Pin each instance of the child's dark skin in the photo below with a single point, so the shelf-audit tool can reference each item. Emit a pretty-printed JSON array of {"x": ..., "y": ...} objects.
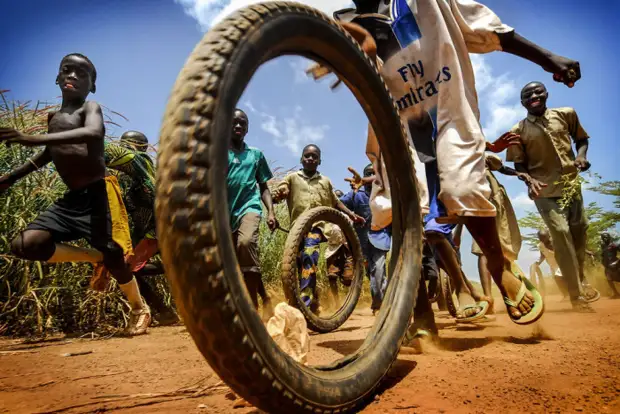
[
  {"x": 75, "y": 137},
  {"x": 534, "y": 97},
  {"x": 310, "y": 161},
  {"x": 75, "y": 143}
]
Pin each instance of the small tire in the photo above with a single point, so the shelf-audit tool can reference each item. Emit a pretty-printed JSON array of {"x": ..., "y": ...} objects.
[
  {"x": 193, "y": 223},
  {"x": 448, "y": 293},
  {"x": 290, "y": 279}
]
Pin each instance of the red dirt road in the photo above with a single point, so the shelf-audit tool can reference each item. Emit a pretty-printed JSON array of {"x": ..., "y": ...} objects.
[{"x": 566, "y": 363}]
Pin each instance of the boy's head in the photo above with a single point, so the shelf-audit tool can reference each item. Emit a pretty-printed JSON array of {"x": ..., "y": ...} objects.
[
  {"x": 534, "y": 98},
  {"x": 240, "y": 125},
  {"x": 311, "y": 157},
  {"x": 369, "y": 170},
  {"x": 605, "y": 238},
  {"x": 135, "y": 140},
  {"x": 544, "y": 236},
  {"x": 339, "y": 193},
  {"x": 77, "y": 76}
]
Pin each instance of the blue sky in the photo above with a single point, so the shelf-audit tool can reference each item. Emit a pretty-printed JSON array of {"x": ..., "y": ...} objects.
[{"x": 139, "y": 47}]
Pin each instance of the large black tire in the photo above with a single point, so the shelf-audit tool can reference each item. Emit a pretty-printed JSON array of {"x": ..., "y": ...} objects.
[
  {"x": 290, "y": 279},
  {"x": 193, "y": 221}
]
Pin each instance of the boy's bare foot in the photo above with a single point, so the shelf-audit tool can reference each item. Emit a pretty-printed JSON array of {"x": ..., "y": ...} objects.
[
  {"x": 510, "y": 288},
  {"x": 468, "y": 306}
]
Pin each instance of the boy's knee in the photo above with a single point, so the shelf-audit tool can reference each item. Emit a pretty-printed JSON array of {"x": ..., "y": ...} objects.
[
  {"x": 433, "y": 237},
  {"x": 32, "y": 246},
  {"x": 113, "y": 256}
]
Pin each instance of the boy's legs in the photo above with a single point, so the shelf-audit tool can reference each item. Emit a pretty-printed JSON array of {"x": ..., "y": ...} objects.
[
  {"x": 246, "y": 239},
  {"x": 378, "y": 276},
  {"x": 450, "y": 261},
  {"x": 564, "y": 246}
]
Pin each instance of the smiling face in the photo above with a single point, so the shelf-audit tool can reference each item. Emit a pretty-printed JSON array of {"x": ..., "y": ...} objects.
[
  {"x": 239, "y": 126},
  {"x": 534, "y": 98},
  {"x": 76, "y": 77},
  {"x": 311, "y": 158}
]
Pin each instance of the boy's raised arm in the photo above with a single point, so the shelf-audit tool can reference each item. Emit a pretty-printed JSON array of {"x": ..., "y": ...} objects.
[
  {"x": 33, "y": 164},
  {"x": 93, "y": 129},
  {"x": 564, "y": 70}
]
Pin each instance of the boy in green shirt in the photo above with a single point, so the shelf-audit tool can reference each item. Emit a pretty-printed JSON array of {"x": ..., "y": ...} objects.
[{"x": 248, "y": 173}]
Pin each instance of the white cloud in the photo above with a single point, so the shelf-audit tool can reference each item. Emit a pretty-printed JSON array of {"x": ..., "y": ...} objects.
[
  {"x": 291, "y": 131},
  {"x": 522, "y": 200},
  {"x": 300, "y": 65},
  {"x": 209, "y": 12},
  {"x": 499, "y": 96}
]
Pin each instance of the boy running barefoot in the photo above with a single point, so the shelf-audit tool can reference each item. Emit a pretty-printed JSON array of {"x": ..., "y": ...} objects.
[
  {"x": 248, "y": 173},
  {"x": 425, "y": 46},
  {"x": 92, "y": 208},
  {"x": 546, "y": 154},
  {"x": 302, "y": 191}
]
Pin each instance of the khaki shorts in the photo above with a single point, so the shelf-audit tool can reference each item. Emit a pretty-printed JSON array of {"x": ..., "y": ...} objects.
[{"x": 246, "y": 242}]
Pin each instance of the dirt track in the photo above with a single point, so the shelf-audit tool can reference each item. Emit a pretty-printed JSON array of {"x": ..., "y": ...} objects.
[{"x": 501, "y": 368}]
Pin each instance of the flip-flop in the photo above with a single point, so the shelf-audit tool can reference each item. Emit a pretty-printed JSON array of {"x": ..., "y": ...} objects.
[
  {"x": 537, "y": 310},
  {"x": 596, "y": 294},
  {"x": 474, "y": 318}
]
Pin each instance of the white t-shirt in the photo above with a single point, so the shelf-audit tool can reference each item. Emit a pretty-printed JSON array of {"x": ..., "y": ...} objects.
[{"x": 432, "y": 80}]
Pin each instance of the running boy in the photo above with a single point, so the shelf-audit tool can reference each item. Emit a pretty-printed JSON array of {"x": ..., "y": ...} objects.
[
  {"x": 375, "y": 243},
  {"x": 248, "y": 173},
  {"x": 303, "y": 190},
  {"x": 547, "y": 155},
  {"x": 92, "y": 208},
  {"x": 424, "y": 46},
  {"x": 129, "y": 156}
]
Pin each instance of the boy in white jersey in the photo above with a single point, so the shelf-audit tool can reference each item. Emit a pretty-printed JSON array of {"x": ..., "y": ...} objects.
[{"x": 425, "y": 46}]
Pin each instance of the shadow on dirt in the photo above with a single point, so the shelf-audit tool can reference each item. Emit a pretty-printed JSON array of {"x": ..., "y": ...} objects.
[{"x": 344, "y": 347}]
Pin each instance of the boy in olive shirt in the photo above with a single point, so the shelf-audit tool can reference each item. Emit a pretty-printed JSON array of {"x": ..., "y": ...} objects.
[{"x": 546, "y": 154}]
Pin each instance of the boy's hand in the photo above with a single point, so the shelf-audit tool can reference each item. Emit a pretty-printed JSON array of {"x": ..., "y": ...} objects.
[
  {"x": 272, "y": 222},
  {"x": 506, "y": 140},
  {"x": 533, "y": 185},
  {"x": 357, "y": 219},
  {"x": 279, "y": 194},
  {"x": 13, "y": 136},
  {"x": 356, "y": 181},
  {"x": 582, "y": 164},
  {"x": 565, "y": 70},
  {"x": 6, "y": 181},
  {"x": 362, "y": 36}
]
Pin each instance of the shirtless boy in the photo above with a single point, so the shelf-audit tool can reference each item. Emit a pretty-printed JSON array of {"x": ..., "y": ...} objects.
[{"x": 75, "y": 144}]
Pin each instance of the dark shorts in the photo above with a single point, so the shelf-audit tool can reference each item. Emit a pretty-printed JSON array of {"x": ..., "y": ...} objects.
[{"x": 79, "y": 214}]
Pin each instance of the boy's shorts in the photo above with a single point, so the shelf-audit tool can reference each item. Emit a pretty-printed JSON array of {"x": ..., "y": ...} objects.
[
  {"x": 95, "y": 213},
  {"x": 245, "y": 239}
]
